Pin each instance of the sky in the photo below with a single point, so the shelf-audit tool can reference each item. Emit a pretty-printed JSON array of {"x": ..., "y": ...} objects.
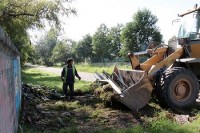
[{"x": 92, "y": 13}]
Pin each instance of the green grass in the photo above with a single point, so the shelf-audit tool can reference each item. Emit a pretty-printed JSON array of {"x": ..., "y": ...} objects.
[
  {"x": 161, "y": 125},
  {"x": 99, "y": 67},
  {"x": 37, "y": 77}
]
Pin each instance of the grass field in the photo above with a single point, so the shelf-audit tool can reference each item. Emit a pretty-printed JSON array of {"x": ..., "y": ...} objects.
[
  {"x": 158, "y": 122},
  {"x": 37, "y": 77},
  {"x": 99, "y": 67}
]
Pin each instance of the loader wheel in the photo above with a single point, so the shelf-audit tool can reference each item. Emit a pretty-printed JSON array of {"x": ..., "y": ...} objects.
[{"x": 179, "y": 88}]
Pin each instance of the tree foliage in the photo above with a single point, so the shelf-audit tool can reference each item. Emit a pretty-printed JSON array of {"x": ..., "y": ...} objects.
[
  {"x": 106, "y": 43},
  {"x": 32, "y": 13},
  {"x": 101, "y": 44},
  {"x": 138, "y": 33},
  {"x": 46, "y": 45},
  {"x": 16, "y": 16},
  {"x": 83, "y": 49},
  {"x": 64, "y": 49},
  {"x": 115, "y": 37},
  {"x": 60, "y": 52}
]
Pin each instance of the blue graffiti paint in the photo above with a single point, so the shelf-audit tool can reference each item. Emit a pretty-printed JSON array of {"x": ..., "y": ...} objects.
[
  {"x": 17, "y": 85},
  {"x": 17, "y": 102}
]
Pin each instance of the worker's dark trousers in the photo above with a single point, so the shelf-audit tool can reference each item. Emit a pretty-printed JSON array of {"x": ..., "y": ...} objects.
[{"x": 71, "y": 88}]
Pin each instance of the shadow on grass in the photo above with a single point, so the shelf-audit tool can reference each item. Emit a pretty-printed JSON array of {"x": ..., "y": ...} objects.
[
  {"x": 37, "y": 78},
  {"x": 40, "y": 76},
  {"x": 53, "y": 82}
]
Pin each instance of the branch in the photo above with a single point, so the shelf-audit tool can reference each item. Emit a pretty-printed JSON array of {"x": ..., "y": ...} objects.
[{"x": 20, "y": 14}]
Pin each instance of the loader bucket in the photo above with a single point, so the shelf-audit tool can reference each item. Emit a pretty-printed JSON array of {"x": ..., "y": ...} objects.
[{"x": 133, "y": 87}]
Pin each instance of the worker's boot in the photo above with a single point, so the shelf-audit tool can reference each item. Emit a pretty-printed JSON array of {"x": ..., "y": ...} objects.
[{"x": 71, "y": 98}]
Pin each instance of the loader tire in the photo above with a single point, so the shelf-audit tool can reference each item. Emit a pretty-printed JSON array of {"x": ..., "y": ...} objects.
[
  {"x": 179, "y": 88},
  {"x": 158, "y": 93}
]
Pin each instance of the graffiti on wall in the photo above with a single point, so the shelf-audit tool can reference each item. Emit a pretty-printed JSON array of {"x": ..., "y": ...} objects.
[
  {"x": 17, "y": 84},
  {"x": 10, "y": 85}
]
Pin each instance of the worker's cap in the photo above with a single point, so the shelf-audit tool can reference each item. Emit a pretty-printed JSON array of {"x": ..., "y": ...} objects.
[{"x": 69, "y": 60}]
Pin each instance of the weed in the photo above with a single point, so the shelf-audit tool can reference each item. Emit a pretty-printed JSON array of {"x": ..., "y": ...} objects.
[{"x": 96, "y": 113}]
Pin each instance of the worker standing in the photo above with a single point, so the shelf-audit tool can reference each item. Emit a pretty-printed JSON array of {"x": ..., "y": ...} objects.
[{"x": 68, "y": 77}]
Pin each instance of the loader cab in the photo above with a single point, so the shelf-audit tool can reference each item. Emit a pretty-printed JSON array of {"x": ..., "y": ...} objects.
[
  {"x": 188, "y": 30},
  {"x": 190, "y": 26},
  {"x": 189, "y": 39}
]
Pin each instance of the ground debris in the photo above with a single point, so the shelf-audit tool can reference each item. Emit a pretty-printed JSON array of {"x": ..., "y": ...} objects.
[
  {"x": 47, "y": 110},
  {"x": 33, "y": 111},
  {"x": 182, "y": 118}
]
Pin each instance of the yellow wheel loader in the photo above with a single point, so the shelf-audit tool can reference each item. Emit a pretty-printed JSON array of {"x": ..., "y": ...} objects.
[{"x": 173, "y": 71}]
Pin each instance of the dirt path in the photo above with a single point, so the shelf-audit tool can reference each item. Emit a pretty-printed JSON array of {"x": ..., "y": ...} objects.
[{"x": 84, "y": 75}]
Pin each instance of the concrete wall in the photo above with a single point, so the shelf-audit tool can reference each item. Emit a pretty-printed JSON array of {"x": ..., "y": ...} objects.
[{"x": 10, "y": 85}]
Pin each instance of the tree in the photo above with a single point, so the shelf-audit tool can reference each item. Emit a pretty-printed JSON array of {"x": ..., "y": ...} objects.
[
  {"x": 101, "y": 44},
  {"x": 115, "y": 37},
  {"x": 32, "y": 56},
  {"x": 60, "y": 52},
  {"x": 46, "y": 45},
  {"x": 83, "y": 48},
  {"x": 63, "y": 50},
  {"x": 16, "y": 16},
  {"x": 138, "y": 33}
]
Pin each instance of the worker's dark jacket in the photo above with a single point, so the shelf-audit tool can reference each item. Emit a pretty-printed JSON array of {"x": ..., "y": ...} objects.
[{"x": 69, "y": 73}]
